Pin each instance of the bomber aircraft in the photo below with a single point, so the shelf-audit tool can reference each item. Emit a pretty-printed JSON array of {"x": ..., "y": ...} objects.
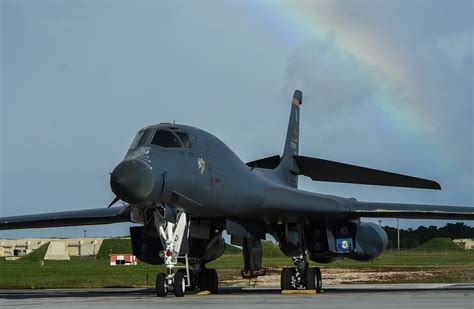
[{"x": 184, "y": 187}]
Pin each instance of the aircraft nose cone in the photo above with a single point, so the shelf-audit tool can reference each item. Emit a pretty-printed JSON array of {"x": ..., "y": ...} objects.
[{"x": 132, "y": 181}]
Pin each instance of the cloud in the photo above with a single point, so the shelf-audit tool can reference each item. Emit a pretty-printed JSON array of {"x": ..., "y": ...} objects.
[
  {"x": 458, "y": 47},
  {"x": 332, "y": 77},
  {"x": 341, "y": 96},
  {"x": 341, "y": 119},
  {"x": 80, "y": 82}
]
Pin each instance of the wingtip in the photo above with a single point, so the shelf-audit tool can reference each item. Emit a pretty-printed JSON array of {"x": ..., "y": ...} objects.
[
  {"x": 430, "y": 184},
  {"x": 298, "y": 97}
]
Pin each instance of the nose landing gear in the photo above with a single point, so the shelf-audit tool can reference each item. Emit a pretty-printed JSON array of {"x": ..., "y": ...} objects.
[
  {"x": 174, "y": 236},
  {"x": 178, "y": 282},
  {"x": 163, "y": 283}
]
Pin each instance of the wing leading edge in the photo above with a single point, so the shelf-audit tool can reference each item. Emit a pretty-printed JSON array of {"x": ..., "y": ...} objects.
[
  {"x": 67, "y": 218},
  {"x": 298, "y": 204},
  {"x": 412, "y": 211}
]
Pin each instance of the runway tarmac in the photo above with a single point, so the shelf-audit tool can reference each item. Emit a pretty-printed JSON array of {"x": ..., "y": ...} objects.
[{"x": 337, "y": 296}]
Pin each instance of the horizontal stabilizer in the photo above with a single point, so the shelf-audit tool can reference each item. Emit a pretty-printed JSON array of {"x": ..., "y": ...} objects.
[
  {"x": 269, "y": 162},
  {"x": 325, "y": 170},
  {"x": 67, "y": 218}
]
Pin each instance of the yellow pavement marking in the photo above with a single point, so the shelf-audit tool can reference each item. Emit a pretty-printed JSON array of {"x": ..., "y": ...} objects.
[
  {"x": 205, "y": 292},
  {"x": 287, "y": 292}
]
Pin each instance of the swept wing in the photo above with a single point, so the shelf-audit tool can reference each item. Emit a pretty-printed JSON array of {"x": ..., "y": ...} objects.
[
  {"x": 298, "y": 204},
  {"x": 67, "y": 218}
]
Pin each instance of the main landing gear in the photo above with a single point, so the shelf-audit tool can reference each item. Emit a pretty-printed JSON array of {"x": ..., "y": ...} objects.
[
  {"x": 301, "y": 276},
  {"x": 208, "y": 280}
]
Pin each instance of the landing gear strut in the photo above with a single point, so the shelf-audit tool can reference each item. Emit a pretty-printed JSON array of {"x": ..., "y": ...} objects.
[
  {"x": 173, "y": 233},
  {"x": 301, "y": 276}
]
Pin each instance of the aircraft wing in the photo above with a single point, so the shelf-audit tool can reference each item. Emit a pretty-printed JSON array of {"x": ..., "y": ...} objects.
[
  {"x": 297, "y": 204},
  {"x": 67, "y": 218},
  {"x": 412, "y": 211}
]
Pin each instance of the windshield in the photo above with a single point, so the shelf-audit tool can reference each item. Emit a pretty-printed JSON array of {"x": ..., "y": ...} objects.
[
  {"x": 141, "y": 138},
  {"x": 167, "y": 139},
  {"x": 184, "y": 138}
]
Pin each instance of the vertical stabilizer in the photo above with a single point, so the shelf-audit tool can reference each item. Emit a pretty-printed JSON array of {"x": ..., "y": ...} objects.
[{"x": 288, "y": 167}]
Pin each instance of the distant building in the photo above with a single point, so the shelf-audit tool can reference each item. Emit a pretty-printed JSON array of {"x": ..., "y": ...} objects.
[
  {"x": 57, "y": 251},
  {"x": 465, "y": 243},
  {"x": 16, "y": 248},
  {"x": 20, "y": 247},
  {"x": 123, "y": 259}
]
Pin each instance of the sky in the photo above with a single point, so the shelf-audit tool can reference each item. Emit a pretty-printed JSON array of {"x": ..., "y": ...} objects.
[{"x": 387, "y": 85}]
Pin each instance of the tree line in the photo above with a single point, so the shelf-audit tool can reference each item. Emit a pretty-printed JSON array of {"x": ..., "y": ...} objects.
[{"x": 412, "y": 238}]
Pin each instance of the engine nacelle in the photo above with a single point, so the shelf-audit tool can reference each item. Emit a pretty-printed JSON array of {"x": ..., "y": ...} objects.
[
  {"x": 323, "y": 259},
  {"x": 327, "y": 242},
  {"x": 371, "y": 241}
]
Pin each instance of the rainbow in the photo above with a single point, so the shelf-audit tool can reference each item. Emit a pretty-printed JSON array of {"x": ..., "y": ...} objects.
[{"x": 298, "y": 22}]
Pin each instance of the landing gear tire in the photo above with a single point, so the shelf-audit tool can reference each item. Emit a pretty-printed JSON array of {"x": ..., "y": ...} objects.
[
  {"x": 179, "y": 284},
  {"x": 319, "y": 286},
  {"x": 208, "y": 280},
  {"x": 314, "y": 279},
  {"x": 192, "y": 280},
  {"x": 213, "y": 281},
  {"x": 161, "y": 288},
  {"x": 203, "y": 280},
  {"x": 287, "y": 275}
]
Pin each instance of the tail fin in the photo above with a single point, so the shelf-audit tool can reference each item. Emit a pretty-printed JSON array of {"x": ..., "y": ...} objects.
[{"x": 288, "y": 167}]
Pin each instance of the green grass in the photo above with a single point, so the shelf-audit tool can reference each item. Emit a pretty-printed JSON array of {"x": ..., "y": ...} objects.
[
  {"x": 115, "y": 246},
  {"x": 435, "y": 244},
  {"x": 414, "y": 258},
  {"x": 38, "y": 254},
  {"x": 271, "y": 251},
  {"x": 231, "y": 249},
  {"x": 89, "y": 272},
  {"x": 75, "y": 273}
]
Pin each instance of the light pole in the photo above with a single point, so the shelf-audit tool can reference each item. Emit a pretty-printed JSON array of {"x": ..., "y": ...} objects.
[{"x": 398, "y": 234}]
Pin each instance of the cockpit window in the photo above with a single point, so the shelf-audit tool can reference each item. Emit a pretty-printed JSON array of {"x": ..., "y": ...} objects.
[
  {"x": 184, "y": 138},
  {"x": 141, "y": 138},
  {"x": 137, "y": 139},
  {"x": 166, "y": 139}
]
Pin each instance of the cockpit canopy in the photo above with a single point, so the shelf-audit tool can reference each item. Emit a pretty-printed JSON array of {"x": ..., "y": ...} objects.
[{"x": 163, "y": 137}]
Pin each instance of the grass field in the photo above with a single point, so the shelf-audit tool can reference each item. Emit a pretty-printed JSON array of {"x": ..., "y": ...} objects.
[{"x": 96, "y": 272}]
